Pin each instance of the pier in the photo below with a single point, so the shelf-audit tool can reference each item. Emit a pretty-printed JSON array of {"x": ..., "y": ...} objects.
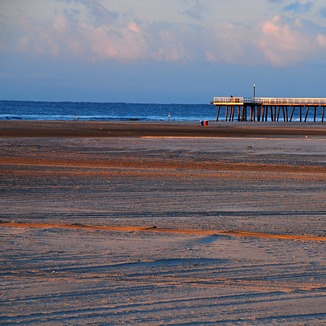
[{"x": 269, "y": 108}]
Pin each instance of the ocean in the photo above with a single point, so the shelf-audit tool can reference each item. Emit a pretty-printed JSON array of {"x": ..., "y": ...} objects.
[
  {"x": 29, "y": 110},
  {"x": 89, "y": 111}
]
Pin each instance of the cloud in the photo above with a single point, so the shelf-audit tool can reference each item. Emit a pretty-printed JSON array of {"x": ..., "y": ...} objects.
[
  {"x": 321, "y": 39},
  {"x": 97, "y": 35},
  {"x": 96, "y": 31},
  {"x": 279, "y": 43},
  {"x": 197, "y": 9},
  {"x": 299, "y": 6},
  {"x": 105, "y": 42},
  {"x": 230, "y": 43},
  {"x": 287, "y": 42},
  {"x": 323, "y": 12}
]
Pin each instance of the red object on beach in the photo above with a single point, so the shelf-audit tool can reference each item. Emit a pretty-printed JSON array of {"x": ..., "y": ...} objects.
[{"x": 205, "y": 123}]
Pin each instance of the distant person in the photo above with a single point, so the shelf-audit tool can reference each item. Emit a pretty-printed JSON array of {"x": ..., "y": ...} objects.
[
  {"x": 169, "y": 116},
  {"x": 76, "y": 116}
]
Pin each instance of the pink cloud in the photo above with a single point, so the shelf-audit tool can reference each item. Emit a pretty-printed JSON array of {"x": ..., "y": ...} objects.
[
  {"x": 99, "y": 35},
  {"x": 105, "y": 42},
  {"x": 134, "y": 27},
  {"x": 23, "y": 44},
  {"x": 59, "y": 24},
  {"x": 321, "y": 40},
  {"x": 283, "y": 44}
]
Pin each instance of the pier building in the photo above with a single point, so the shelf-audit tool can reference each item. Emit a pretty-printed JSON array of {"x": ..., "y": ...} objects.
[{"x": 270, "y": 108}]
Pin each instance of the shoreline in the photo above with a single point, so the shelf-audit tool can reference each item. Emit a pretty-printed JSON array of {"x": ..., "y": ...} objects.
[{"x": 158, "y": 129}]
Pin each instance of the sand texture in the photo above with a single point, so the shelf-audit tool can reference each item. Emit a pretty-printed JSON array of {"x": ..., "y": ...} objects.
[{"x": 117, "y": 224}]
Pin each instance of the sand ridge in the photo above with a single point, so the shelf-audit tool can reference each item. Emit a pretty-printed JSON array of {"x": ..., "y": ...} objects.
[{"x": 235, "y": 233}]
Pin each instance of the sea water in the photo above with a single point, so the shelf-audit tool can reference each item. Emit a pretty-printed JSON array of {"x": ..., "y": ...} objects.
[
  {"x": 28, "y": 110},
  {"x": 88, "y": 111}
]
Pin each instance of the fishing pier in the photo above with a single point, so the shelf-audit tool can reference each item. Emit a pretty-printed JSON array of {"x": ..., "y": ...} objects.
[{"x": 270, "y": 108}]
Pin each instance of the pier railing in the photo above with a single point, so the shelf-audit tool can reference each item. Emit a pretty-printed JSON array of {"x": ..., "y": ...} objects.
[
  {"x": 221, "y": 100},
  {"x": 239, "y": 100}
]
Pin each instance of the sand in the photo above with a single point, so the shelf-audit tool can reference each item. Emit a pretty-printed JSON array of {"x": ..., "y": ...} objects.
[{"x": 166, "y": 223}]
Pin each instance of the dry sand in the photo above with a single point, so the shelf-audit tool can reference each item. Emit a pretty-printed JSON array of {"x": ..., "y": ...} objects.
[{"x": 158, "y": 224}]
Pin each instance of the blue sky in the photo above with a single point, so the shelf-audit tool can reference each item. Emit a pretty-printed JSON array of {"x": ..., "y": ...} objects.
[{"x": 154, "y": 51}]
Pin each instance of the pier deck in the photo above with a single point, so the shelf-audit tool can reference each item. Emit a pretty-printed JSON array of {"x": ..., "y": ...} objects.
[{"x": 269, "y": 108}]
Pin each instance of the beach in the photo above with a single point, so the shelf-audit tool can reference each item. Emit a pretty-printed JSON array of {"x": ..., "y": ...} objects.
[{"x": 162, "y": 223}]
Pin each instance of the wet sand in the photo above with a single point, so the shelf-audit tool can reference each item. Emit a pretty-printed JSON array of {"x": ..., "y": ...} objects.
[
  {"x": 167, "y": 223},
  {"x": 171, "y": 129}
]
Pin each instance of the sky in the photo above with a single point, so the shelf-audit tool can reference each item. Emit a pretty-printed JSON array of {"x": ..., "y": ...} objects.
[{"x": 155, "y": 51}]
